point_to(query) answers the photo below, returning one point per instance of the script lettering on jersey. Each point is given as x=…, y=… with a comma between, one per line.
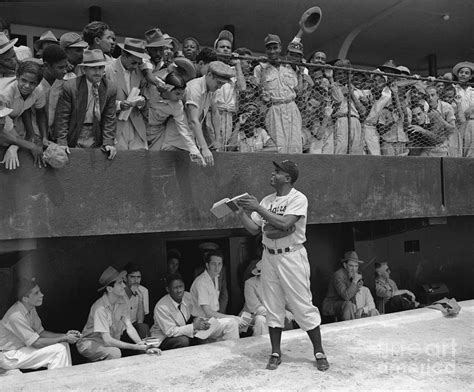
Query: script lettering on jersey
x=279, y=210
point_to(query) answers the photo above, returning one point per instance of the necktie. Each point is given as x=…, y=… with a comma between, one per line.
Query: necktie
x=95, y=95
x=182, y=314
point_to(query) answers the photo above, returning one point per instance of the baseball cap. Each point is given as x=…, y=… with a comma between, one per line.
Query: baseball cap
x=295, y=47
x=272, y=39
x=289, y=167
x=72, y=40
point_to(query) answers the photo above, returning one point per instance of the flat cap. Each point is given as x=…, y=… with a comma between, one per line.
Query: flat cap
x=72, y=40
x=221, y=70
x=272, y=39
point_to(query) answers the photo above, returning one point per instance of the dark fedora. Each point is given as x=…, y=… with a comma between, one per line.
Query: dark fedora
x=155, y=39
x=351, y=256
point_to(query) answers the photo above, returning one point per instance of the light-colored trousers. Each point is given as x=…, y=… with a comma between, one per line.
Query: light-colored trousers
x=95, y=350
x=342, y=137
x=228, y=329
x=285, y=280
x=52, y=357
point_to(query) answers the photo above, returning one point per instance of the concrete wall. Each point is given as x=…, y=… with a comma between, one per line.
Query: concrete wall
x=143, y=191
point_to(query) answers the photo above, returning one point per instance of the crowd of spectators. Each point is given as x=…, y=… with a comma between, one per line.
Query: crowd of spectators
x=159, y=94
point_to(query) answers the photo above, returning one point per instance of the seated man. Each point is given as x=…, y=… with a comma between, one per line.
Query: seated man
x=365, y=305
x=223, y=295
x=174, y=325
x=343, y=287
x=137, y=299
x=389, y=298
x=108, y=318
x=205, y=297
x=254, y=305
x=24, y=344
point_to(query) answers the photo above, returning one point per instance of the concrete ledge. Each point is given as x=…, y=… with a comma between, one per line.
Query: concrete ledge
x=149, y=191
x=413, y=350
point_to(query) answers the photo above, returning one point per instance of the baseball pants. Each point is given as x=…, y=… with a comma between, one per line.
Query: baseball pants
x=285, y=279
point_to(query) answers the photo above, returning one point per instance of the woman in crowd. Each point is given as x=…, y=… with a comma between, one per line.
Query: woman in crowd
x=191, y=48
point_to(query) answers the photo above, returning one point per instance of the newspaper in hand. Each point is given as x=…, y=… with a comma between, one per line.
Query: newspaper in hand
x=226, y=206
x=133, y=97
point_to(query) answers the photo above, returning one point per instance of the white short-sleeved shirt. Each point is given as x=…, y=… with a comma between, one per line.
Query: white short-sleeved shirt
x=13, y=99
x=204, y=292
x=19, y=327
x=196, y=94
x=294, y=203
x=105, y=317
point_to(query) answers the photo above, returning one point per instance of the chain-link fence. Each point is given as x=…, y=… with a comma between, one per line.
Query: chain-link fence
x=291, y=107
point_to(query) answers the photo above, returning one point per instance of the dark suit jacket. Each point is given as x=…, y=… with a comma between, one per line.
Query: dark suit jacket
x=71, y=111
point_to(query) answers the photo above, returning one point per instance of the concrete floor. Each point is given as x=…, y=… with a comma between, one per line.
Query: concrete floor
x=413, y=350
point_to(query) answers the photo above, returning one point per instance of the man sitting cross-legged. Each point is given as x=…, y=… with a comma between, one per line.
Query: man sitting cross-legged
x=205, y=296
x=108, y=318
x=24, y=344
x=174, y=325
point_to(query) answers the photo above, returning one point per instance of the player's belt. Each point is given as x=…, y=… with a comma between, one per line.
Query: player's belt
x=282, y=250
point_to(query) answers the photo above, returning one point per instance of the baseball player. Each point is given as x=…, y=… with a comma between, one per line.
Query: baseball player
x=281, y=217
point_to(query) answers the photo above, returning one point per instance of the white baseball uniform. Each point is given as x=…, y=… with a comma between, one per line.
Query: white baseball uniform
x=285, y=266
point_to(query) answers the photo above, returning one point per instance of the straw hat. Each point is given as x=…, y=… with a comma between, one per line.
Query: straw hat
x=135, y=47
x=93, y=58
x=5, y=43
x=463, y=64
x=47, y=36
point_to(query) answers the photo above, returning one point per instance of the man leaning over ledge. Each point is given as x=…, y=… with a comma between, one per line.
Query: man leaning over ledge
x=85, y=114
x=24, y=344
